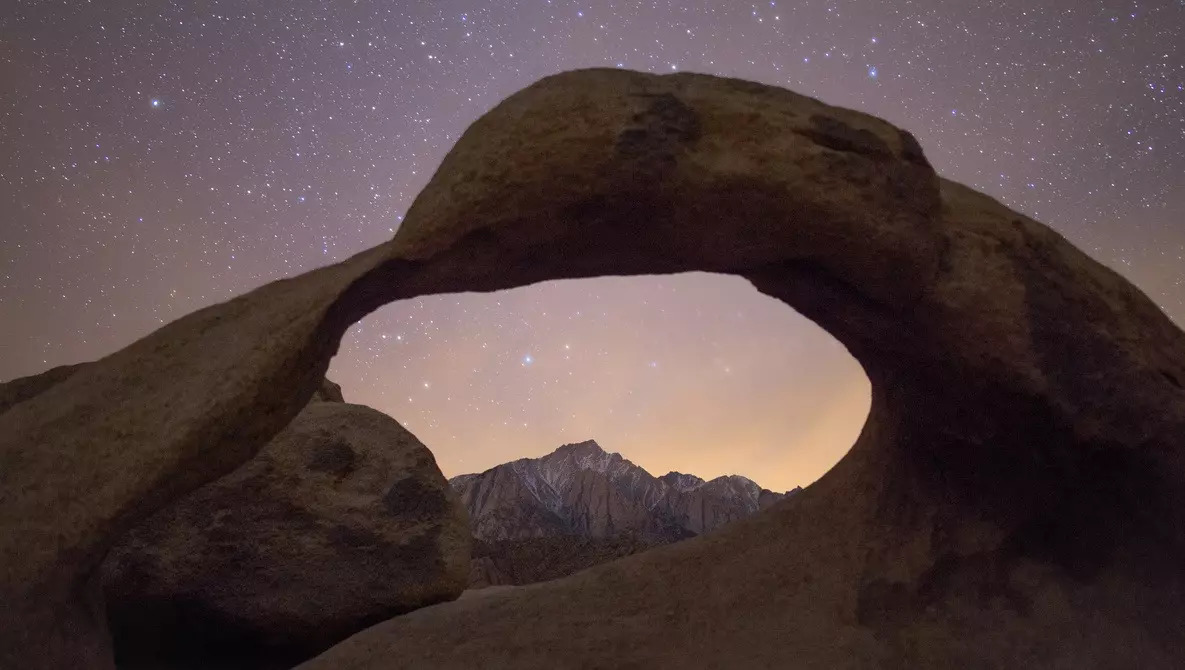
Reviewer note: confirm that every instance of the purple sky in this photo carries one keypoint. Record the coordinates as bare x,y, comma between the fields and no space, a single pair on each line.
158,157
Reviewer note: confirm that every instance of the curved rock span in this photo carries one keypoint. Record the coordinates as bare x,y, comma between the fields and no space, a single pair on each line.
1015,498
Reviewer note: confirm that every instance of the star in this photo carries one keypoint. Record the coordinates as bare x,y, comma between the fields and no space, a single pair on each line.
314,149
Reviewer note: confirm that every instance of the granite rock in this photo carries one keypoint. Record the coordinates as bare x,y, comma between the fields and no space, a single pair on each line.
341,521
1016,497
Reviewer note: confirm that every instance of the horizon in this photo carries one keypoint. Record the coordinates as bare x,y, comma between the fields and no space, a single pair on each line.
628,460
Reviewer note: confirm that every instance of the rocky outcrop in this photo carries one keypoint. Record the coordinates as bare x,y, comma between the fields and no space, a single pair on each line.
21,389
329,392
342,521
1016,498
580,489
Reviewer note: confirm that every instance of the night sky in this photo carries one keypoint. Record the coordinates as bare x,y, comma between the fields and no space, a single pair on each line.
157,157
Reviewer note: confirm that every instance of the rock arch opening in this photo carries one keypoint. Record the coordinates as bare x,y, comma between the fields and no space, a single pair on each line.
1020,481
581,421
695,372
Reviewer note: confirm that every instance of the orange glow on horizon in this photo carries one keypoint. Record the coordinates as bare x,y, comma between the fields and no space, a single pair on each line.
750,388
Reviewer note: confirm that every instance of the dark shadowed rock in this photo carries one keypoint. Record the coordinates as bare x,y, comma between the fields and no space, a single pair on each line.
329,392
21,389
1016,498
342,521
540,559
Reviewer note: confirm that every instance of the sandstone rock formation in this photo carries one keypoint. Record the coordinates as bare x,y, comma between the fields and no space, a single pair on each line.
342,521
1016,498
580,489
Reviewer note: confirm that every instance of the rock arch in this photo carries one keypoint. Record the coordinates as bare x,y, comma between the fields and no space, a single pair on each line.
1015,496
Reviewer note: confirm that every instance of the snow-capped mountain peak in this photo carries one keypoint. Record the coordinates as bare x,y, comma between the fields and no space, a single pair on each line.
582,489
682,482
562,465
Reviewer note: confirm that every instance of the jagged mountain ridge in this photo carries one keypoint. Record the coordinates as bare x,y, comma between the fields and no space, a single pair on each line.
580,489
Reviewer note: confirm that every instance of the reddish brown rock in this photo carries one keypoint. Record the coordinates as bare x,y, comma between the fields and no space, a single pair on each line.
329,392
343,520
1016,498
21,389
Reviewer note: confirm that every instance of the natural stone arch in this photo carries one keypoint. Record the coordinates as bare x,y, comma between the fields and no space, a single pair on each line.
1014,497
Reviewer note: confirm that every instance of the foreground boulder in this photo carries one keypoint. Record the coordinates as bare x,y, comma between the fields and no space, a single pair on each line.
1016,498
342,521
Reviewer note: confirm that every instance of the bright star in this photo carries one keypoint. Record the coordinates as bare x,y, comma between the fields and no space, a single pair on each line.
155,102
872,72
527,360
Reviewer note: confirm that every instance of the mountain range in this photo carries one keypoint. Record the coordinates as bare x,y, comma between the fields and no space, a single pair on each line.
582,490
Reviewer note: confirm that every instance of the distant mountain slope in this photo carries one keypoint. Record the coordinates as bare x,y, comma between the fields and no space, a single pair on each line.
541,559
581,490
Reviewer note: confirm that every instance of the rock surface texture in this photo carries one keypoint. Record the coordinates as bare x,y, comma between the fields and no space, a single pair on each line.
582,490
540,559
20,390
329,392
1016,497
538,519
340,522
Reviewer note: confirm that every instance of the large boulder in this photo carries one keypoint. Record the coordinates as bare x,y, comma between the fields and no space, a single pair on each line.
1016,498
329,392
342,521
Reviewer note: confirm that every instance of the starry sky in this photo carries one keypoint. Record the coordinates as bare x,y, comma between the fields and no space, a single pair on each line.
157,157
